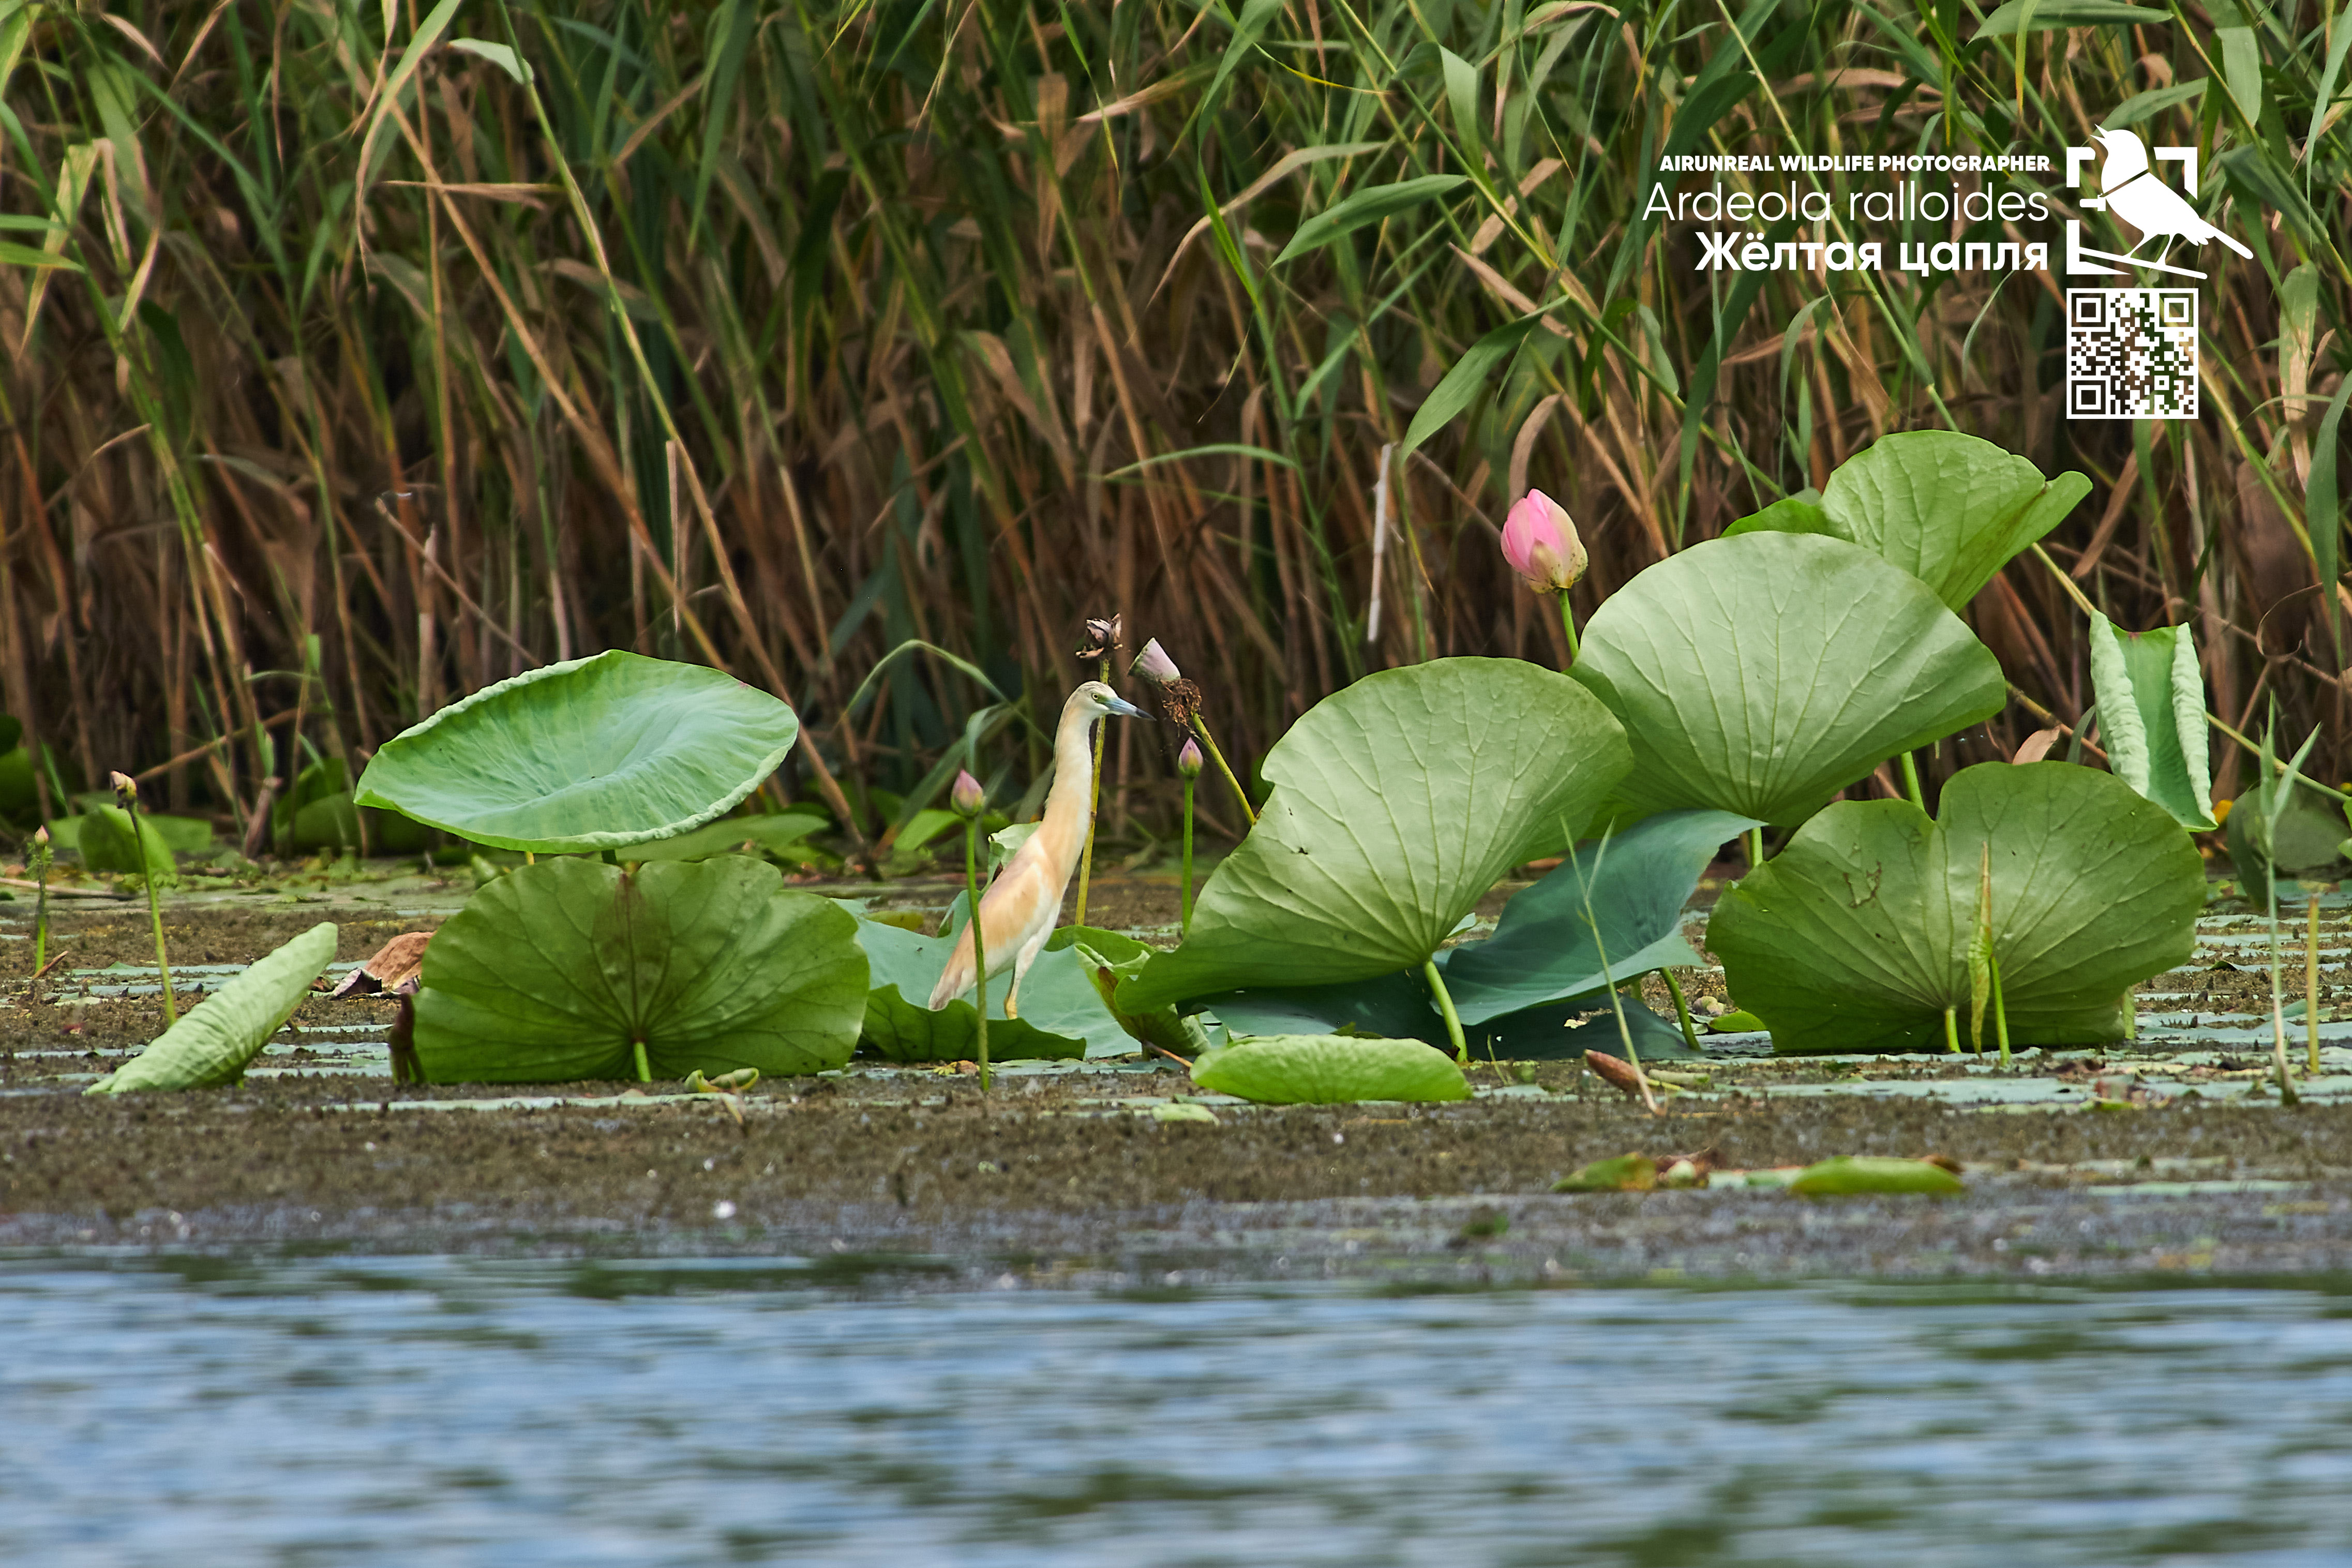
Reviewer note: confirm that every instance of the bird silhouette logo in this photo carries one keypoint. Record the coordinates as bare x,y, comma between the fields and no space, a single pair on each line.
2130,188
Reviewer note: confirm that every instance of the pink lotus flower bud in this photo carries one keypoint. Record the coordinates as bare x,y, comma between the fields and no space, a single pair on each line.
126,789
1154,665
1188,761
966,795
1540,541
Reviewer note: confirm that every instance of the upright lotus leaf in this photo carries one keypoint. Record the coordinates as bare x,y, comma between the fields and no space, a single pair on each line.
1329,1070
1950,509
1545,950
571,968
1057,1021
1397,803
590,754
2151,699
1398,1007
109,841
2306,838
1763,674
216,1040
1855,936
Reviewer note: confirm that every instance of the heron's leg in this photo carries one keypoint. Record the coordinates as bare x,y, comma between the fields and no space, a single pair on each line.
1026,957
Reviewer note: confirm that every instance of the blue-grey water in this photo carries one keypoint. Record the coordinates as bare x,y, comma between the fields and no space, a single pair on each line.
419,1411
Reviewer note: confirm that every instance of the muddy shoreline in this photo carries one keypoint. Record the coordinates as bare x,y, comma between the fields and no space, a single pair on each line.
913,1179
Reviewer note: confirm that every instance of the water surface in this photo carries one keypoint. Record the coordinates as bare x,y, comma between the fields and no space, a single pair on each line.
419,1411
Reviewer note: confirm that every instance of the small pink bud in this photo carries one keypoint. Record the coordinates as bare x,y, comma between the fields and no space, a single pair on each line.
1154,665
1540,541
126,789
1188,761
966,795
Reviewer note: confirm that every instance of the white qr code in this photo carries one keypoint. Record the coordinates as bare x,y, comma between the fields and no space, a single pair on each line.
2131,353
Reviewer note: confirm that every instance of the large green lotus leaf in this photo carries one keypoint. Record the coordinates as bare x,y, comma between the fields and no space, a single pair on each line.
213,1040
590,754
1950,509
1397,803
778,834
1761,674
1855,936
2151,699
1330,1069
557,971
19,800
1061,1017
1544,949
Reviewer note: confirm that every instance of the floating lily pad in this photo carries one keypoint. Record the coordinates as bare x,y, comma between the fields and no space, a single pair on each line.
1853,1174
1397,804
571,969
1544,949
1855,936
1763,674
1330,1069
1626,1173
2151,700
213,1040
592,754
1950,509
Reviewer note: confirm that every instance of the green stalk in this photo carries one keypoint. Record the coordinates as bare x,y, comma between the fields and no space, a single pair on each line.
127,792
1446,1006
1616,1001
1567,624
2311,987
645,1066
1911,781
1682,1009
2000,1013
1952,1031
1240,794
1754,838
1185,919
980,935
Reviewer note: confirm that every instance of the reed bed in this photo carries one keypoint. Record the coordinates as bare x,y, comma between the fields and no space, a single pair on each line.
361,356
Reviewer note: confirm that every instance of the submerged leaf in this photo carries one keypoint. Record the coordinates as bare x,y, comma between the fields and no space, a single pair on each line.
568,969
592,754
1855,936
2151,697
1761,674
213,1040
1330,1069
1398,802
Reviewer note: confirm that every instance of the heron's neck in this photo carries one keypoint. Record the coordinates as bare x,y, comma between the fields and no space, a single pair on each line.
1069,803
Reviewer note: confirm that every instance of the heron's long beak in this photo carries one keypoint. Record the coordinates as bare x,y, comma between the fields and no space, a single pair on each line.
1123,707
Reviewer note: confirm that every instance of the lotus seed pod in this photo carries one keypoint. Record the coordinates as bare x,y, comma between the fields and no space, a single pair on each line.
1541,543
1154,665
966,796
1188,761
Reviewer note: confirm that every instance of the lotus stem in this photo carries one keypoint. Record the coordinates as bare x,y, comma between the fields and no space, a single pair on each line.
1952,1031
1911,781
2311,986
2287,1095
1446,1006
1217,756
1616,1002
645,1064
980,934
1567,624
2000,1012
127,791
1681,1008
1754,839
1184,925
1085,864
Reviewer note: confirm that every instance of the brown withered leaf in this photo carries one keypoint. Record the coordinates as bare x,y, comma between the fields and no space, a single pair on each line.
394,971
